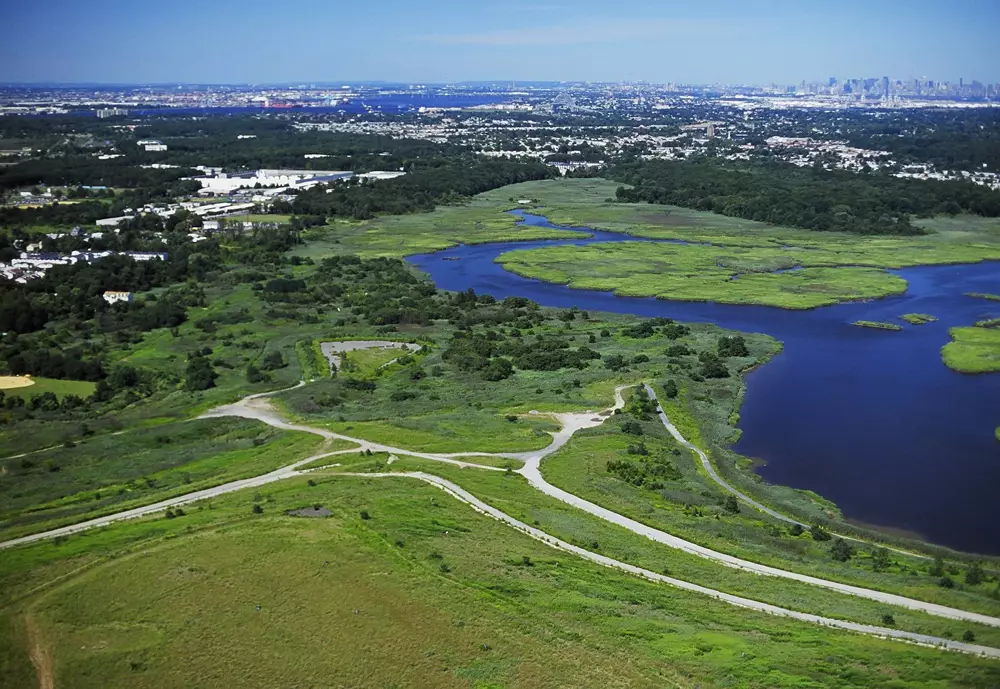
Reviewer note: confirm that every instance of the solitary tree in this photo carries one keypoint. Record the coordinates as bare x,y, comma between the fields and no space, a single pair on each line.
670,389
841,550
974,575
880,559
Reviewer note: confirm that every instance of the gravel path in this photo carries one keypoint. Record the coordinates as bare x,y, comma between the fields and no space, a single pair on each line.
468,498
710,470
257,407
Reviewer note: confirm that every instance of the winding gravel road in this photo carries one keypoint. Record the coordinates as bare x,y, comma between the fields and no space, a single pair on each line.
256,407
707,466
713,474
468,498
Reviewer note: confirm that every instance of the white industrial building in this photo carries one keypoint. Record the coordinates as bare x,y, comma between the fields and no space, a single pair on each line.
151,144
226,183
113,297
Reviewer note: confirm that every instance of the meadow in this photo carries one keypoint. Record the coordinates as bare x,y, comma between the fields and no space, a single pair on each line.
478,221
424,592
60,388
516,497
109,473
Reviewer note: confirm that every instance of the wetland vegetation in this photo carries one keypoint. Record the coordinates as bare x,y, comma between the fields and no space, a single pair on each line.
446,596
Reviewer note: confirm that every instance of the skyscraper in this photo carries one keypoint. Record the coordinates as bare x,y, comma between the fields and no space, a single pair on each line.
885,86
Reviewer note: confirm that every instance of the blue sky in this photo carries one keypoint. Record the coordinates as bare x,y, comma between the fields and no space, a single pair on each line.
708,41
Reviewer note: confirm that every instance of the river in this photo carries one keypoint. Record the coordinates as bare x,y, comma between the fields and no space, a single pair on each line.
870,419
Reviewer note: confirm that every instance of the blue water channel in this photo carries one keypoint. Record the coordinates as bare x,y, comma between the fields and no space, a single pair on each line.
870,419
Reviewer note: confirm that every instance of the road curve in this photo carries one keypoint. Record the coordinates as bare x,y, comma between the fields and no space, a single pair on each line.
707,465
145,510
883,632
713,474
251,407
531,472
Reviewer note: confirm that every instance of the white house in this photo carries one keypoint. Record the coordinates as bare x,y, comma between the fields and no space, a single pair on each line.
113,297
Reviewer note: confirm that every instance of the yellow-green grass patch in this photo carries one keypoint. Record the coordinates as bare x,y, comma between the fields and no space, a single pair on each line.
38,386
973,350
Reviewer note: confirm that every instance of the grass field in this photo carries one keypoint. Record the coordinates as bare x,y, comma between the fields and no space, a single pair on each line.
404,586
260,217
973,350
424,593
113,472
513,495
60,388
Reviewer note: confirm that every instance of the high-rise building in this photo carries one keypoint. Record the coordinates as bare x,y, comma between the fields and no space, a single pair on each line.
885,86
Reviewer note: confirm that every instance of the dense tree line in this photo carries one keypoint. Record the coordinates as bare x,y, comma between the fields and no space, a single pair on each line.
800,197
87,170
420,190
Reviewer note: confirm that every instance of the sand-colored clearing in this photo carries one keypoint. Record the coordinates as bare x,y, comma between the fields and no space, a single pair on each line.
11,382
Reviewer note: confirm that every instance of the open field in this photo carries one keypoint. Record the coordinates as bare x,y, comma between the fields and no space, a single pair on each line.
16,386
973,350
514,496
13,382
260,217
113,472
407,585
423,593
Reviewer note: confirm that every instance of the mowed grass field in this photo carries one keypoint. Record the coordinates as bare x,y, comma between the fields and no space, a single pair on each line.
424,593
13,386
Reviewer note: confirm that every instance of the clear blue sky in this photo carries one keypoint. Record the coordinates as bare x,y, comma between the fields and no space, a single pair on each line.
703,41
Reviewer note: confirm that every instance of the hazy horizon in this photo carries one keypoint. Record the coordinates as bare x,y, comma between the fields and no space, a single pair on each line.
112,42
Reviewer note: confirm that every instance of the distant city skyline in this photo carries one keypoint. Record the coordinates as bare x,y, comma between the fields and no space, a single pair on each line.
446,41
